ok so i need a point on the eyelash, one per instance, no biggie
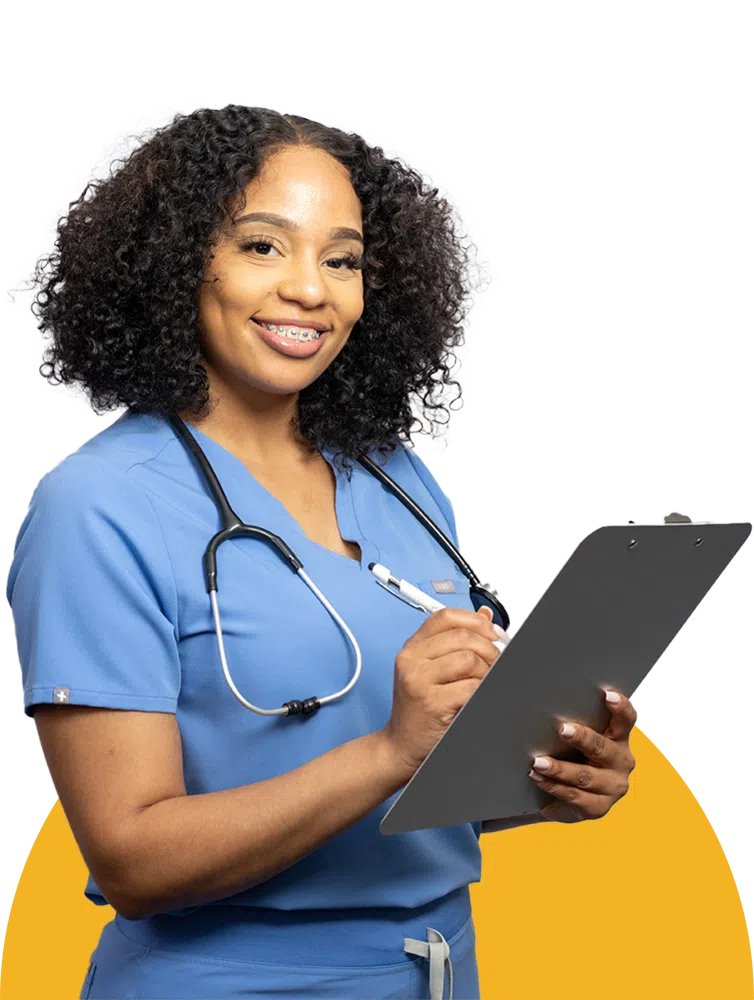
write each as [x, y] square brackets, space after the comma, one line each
[354, 263]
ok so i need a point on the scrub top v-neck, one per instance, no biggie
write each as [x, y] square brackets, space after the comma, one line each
[110, 605]
[348, 524]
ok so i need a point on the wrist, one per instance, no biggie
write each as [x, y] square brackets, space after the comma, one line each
[391, 763]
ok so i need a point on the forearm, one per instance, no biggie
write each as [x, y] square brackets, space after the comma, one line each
[195, 849]
[495, 825]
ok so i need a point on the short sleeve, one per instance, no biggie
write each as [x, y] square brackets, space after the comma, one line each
[437, 494]
[93, 594]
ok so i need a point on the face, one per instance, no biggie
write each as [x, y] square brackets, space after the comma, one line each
[297, 268]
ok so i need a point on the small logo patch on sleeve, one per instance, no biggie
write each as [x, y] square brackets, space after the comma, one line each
[443, 586]
[61, 696]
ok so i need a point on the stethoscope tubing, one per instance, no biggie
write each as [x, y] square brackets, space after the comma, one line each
[284, 711]
[479, 593]
[233, 526]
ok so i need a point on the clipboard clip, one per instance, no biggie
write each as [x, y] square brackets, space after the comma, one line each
[671, 517]
[677, 519]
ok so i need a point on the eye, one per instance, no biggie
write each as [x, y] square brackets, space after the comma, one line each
[250, 244]
[351, 261]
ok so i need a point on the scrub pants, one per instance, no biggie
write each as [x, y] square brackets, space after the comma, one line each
[224, 951]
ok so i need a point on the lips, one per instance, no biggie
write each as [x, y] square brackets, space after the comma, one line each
[284, 345]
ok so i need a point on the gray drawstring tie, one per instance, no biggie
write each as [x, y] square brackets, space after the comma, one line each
[437, 950]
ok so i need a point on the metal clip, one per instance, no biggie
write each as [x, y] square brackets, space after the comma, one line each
[400, 596]
[677, 519]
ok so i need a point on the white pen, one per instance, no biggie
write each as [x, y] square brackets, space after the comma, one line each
[419, 597]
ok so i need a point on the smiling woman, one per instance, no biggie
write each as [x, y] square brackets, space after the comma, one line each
[302, 296]
[286, 292]
[372, 249]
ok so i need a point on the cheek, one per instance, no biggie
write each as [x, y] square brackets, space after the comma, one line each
[353, 301]
[238, 293]
[231, 298]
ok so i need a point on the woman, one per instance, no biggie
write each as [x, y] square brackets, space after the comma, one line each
[241, 851]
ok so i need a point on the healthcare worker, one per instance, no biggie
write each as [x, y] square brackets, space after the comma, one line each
[277, 292]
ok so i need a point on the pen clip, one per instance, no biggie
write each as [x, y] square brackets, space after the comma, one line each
[400, 596]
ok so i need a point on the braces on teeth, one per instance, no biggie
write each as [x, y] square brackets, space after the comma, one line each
[291, 333]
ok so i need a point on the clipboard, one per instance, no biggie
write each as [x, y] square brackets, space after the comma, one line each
[604, 622]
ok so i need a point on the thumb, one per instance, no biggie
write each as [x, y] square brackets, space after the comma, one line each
[487, 610]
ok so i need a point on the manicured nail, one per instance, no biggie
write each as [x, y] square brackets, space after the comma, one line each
[500, 632]
[535, 776]
[567, 729]
[542, 763]
[612, 696]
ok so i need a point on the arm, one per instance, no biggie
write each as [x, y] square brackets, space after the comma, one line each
[150, 847]
[109, 633]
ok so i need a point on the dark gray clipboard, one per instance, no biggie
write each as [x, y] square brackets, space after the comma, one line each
[604, 621]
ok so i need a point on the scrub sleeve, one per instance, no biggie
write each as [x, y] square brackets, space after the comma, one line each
[110, 609]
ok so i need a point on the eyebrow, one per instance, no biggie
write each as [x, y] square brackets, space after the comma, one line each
[342, 233]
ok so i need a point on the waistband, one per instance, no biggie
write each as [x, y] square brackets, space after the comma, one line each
[343, 937]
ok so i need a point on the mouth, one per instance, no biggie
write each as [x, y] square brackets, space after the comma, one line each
[301, 334]
[295, 342]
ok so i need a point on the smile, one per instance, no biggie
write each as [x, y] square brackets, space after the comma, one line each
[298, 333]
[293, 341]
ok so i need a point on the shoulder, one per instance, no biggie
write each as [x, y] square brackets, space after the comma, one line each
[104, 471]
[413, 475]
[406, 466]
[90, 514]
[95, 496]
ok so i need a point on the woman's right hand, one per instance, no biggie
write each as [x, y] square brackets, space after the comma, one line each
[436, 672]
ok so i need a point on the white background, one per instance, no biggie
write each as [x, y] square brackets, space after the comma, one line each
[600, 156]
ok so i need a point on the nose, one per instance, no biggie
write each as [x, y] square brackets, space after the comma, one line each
[302, 279]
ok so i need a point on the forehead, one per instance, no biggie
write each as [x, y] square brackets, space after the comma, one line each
[306, 185]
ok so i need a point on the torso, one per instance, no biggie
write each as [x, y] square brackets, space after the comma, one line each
[307, 491]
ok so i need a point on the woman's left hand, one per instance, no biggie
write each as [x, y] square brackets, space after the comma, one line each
[589, 791]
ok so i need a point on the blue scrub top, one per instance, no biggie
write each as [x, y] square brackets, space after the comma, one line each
[109, 601]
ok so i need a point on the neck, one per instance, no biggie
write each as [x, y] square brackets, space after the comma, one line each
[258, 428]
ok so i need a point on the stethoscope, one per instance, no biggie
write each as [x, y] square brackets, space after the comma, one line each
[233, 527]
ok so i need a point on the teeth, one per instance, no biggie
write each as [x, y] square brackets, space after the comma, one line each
[293, 332]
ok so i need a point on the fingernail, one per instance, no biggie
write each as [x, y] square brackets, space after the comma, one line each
[612, 696]
[541, 763]
[535, 776]
[500, 631]
[567, 729]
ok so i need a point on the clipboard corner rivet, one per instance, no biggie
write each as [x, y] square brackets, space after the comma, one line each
[633, 543]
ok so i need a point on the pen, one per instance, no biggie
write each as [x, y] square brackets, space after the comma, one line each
[418, 596]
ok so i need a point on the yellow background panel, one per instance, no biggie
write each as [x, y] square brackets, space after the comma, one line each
[654, 899]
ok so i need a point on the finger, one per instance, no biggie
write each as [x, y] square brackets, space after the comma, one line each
[449, 618]
[598, 747]
[601, 780]
[623, 716]
[458, 639]
[591, 804]
[561, 812]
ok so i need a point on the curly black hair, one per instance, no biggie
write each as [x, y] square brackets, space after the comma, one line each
[119, 294]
